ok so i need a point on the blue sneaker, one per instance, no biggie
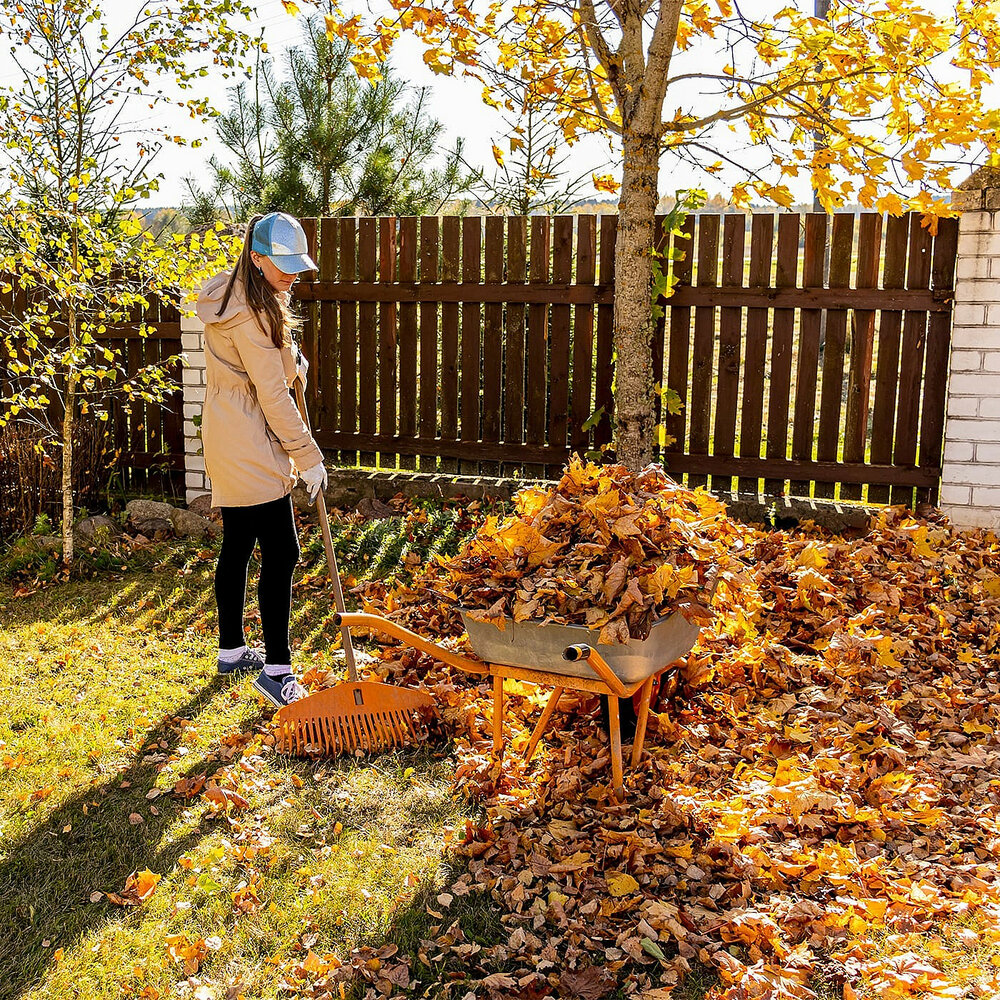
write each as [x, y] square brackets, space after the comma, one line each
[250, 659]
[279, 691]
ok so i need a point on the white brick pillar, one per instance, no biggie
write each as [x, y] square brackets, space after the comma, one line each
[970, 475]
[193, 376]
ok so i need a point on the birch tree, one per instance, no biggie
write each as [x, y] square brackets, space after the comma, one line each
[74, 260]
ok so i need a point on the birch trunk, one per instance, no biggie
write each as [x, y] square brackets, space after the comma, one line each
[635, 431]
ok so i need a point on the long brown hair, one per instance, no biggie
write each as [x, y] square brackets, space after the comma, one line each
[260, 296]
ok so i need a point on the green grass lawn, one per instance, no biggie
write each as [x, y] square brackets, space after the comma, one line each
[111, 699]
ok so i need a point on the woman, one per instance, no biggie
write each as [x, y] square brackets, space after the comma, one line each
[255, 442]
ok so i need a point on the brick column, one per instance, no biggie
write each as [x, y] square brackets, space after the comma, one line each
[970, 477]
[193, 378]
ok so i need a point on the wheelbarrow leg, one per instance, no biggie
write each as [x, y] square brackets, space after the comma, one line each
[497, 714]
[640, 725]
[550, 707]
[616, 748]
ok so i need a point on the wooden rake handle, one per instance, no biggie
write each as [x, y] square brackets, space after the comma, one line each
[331, 559]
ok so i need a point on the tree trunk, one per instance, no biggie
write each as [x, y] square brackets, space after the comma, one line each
[635, 433]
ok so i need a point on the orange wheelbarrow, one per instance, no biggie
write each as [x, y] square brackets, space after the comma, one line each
[561, 657]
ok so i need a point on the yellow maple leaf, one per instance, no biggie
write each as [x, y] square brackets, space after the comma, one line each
[605, 182]
[621, 884]
[143, 883]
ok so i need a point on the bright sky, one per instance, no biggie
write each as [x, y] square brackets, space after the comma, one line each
[454, 101]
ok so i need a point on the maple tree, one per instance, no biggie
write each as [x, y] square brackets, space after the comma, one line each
[73, 255]
[874, 103]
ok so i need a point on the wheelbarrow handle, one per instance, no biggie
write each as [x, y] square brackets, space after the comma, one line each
[384, 625]
[600, 666]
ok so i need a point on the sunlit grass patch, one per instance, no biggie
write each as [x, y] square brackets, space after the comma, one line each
[114, 713]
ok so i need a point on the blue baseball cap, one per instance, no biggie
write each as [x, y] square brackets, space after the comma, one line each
[280, 237]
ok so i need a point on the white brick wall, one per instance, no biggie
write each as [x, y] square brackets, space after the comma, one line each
[970, 480]
[193, 382]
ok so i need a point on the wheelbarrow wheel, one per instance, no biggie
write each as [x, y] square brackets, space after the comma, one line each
[626, 717]
[628, 710]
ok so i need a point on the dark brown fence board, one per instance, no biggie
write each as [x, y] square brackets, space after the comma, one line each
[311, 228]
[782, 342]
[323, 348]
[347, 329]
[661, 246]
[388, 383]
[173, 420]
[581, 395]
[807, 369]
[472, 241]
[135, 428]
[862, 343]
[679, 351]
[603, 366]
[367, 337]
[536, 354]
[911, 358]
[703, 353]
[730, 335]
[429, 241]
[932, 410]
[562, 272]
[309, 314]
[517, 257]
[887, 360]
[832, 385]
[407, 338]
[493, 341]
[450, 268]
[755, 344]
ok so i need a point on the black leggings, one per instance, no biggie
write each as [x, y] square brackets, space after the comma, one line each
[271, 525]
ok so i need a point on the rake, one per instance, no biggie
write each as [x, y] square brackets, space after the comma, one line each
[354, 715]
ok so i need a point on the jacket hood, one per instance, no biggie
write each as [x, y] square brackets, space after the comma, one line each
[210, 298]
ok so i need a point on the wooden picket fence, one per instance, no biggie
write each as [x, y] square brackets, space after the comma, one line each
[816, 362]
[142, 449]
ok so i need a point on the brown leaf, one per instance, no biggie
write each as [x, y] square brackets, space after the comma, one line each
[225, 799]
[590, 983]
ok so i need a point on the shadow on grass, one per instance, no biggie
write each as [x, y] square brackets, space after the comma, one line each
[48, 875]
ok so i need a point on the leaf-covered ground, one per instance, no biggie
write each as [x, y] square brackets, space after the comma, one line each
[816, 813]
[817, 810]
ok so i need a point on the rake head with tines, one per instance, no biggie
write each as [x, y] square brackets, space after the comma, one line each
[352, 716]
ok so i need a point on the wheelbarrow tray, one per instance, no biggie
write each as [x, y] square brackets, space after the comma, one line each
[539, 646]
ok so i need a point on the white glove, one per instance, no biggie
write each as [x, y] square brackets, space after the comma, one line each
[301, 367]
[315, 480]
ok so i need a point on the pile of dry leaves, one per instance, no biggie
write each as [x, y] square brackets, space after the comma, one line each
[602, 548]
[818, 810]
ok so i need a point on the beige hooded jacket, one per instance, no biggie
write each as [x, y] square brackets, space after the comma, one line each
[251, 430]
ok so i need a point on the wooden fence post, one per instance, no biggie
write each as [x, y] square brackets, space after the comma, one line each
[970, 480]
